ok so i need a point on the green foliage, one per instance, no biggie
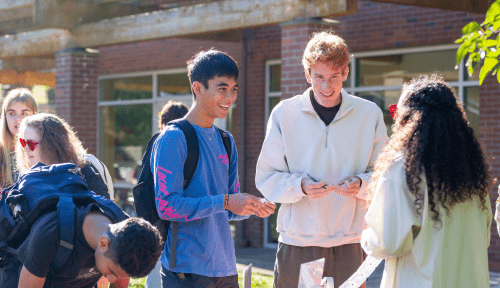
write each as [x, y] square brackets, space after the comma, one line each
[137, 283]
[481, 44]
[258, 280]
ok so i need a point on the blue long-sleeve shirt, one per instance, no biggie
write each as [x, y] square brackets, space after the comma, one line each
[204, 242]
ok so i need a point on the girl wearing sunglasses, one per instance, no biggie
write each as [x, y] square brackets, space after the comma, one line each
[48, 139]
[430, 213]
[18, 104]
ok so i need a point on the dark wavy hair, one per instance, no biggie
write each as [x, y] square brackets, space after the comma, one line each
[432, 132]
[135, 245]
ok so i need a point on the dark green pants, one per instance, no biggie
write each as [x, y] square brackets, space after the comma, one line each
[340, 263]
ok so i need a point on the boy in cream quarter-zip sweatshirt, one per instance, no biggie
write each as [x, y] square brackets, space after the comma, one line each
[319, 168]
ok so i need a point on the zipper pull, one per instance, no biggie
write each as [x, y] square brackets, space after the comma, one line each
[326, 141]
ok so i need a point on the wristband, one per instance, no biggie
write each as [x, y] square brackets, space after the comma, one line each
[226, 202]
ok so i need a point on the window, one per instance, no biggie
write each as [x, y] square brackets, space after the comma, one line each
[273, 86]
[128, 111]
[272, 98]
[379, 76]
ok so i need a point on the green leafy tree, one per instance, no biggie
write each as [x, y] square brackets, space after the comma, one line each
[481, 44]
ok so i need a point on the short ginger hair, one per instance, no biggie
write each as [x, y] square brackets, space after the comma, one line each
[326, 47]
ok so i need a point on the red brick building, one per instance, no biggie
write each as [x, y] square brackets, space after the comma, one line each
[111, 93]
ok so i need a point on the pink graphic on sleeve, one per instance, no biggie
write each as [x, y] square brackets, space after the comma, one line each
[163, 204]
[224, 159]
[237, 189]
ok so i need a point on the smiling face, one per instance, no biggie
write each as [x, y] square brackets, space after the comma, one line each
[326, 82]
[16, 112]
[216, 100]
[30, 134]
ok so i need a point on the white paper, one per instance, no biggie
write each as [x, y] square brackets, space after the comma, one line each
[363, 272]
[311, 274]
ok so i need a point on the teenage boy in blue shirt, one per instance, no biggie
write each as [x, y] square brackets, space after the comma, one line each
[205, 252]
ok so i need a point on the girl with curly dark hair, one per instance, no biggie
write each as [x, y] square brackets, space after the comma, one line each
[430, 213]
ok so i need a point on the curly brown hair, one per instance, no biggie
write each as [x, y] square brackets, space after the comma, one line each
[58, 141]
[432, 132]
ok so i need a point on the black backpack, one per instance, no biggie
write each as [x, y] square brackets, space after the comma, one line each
[40, 190]
[144, 191]
[94, 180]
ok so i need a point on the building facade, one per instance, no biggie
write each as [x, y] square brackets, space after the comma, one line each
[112, 93]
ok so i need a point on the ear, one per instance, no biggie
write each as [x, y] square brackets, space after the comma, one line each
[308, 75]
[346, 72]
[197, 88]
[103, 243]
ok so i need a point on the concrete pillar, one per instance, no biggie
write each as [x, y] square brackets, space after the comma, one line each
[294, 37]
[77, 92]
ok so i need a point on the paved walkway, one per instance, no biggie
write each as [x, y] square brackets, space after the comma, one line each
[262, 260]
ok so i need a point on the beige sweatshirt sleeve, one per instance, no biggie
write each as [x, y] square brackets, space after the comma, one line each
[273, 178]
[391, 218]
[380, 139]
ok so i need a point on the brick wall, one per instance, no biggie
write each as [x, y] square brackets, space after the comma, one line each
[76, 93]
[294, 38]
[263, 44]
[378, 26]
[489, 136]
[168, 53]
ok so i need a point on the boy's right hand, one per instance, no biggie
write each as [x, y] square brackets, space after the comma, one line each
[243, 205]
[314, 189]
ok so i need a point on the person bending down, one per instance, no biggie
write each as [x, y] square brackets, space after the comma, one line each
[129, 248]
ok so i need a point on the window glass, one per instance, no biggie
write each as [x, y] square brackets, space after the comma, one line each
[274, 78]
[383, 99]
[125, 132]
[173, 85]
[471, 99]
[133, 88]
[397, 69]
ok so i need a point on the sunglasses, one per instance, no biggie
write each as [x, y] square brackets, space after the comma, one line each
[393, 110]
[31, 144]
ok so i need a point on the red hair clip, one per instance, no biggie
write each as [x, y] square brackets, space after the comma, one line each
[393, 109]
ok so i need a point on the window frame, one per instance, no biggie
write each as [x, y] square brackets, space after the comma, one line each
[460, 85]
[268, 94]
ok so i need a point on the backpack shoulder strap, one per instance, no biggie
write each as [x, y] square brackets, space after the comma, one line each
[227, 143]
[66, 213]
[146, 160]
[193, 149]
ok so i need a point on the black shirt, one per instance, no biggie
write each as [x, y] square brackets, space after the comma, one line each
[327, 114]
[39, 249]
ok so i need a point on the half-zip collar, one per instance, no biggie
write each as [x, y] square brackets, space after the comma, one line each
[345, 107]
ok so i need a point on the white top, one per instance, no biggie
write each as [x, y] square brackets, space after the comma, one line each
[418, 254]
[297, 144]
[103, 171]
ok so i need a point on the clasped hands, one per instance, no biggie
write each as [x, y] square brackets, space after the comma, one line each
[348, 186]
[247, 204]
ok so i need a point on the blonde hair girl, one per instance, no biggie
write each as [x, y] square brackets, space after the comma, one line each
[18, 104]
